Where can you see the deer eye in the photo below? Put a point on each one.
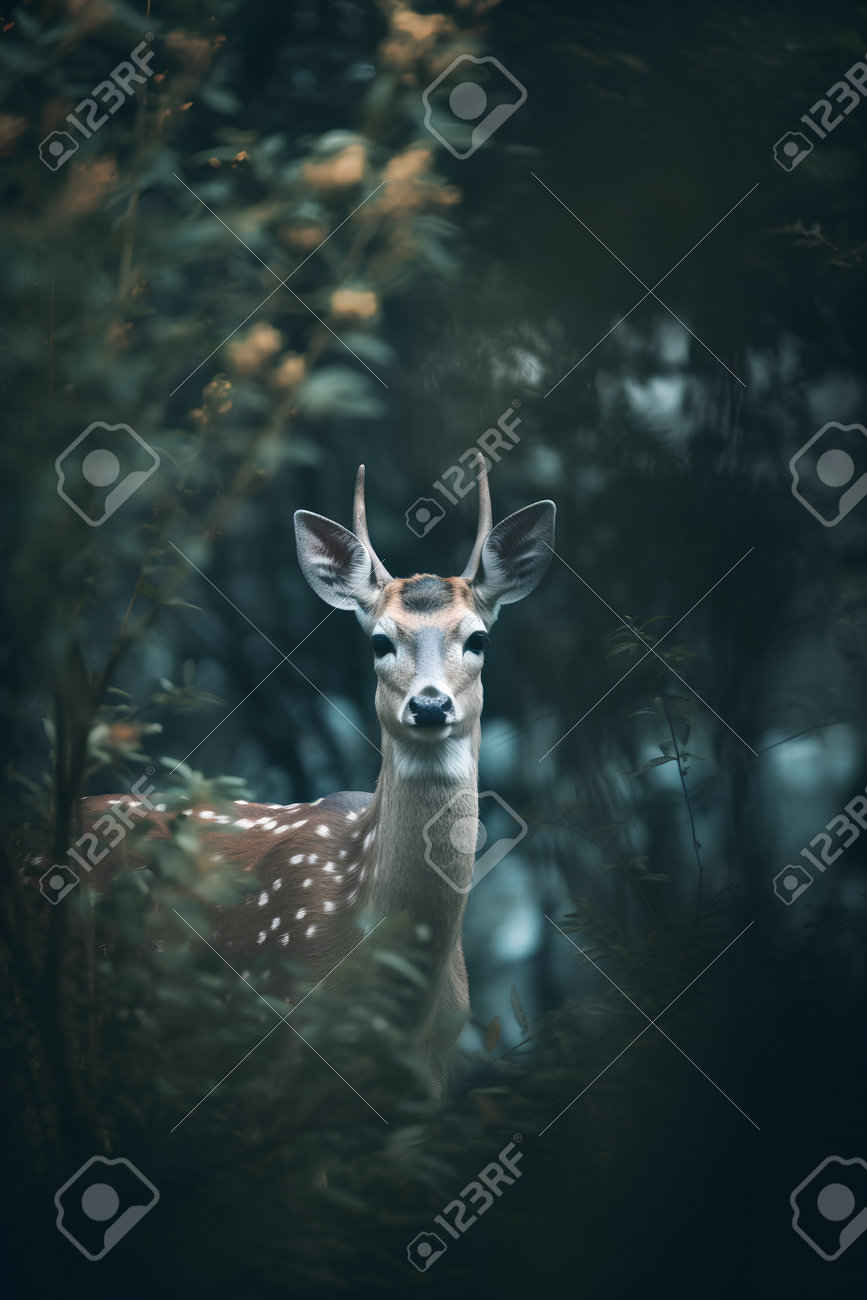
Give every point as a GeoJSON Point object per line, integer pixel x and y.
{"type": "Point", "coordinates": [477, 643]}
{"type": "Point", "coordinates": [382, 645]}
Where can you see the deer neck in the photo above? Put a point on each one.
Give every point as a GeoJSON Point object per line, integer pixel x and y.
{"type": "Point", "coordinates": [420, 834]}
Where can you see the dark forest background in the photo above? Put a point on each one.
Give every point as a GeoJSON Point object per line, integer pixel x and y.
{"type": "Point", "coordinates": [458, 289]}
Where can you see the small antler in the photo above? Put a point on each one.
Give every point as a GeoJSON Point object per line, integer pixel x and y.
{"type": "Point", "coordinates": [485, 521]}
{"type": "Point", "coordinates": [359, 527]}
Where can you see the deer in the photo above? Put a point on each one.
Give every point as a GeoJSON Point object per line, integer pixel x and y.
{"type": "Point", "coordinates": [320, 868]}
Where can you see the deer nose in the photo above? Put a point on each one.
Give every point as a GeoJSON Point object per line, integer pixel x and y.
{"type": "Point", "coordinates": [430, 710]}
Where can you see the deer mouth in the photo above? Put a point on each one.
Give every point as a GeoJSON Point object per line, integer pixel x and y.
{"type": "Point", "coordinates": [431, 728]}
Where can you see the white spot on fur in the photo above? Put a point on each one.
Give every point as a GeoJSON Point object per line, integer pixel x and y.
{"type": "Point", "coordinates": [323, 831]}
{"type": "Point", "coordinates": [312, 857]}
{"type": "Point", "coordinates": [342, 853]}
{"type": "Point", "coordinates": [311, 929]}
{"type": "Point", "coordinates": [329, 866]}
{"type": "Point", "coordinates": [328, 905]}
{"type": "Point", "coordinates": [368, 839]}
{"type": "Point", "coordinates": [295, 825]}
{"type": "Point", "coordinates": [301, 913]}
{"type": "Point", "coordinates": [353, 867]}
{"type": "Point", "coordinates": [160, 807]}
{"type": "Point", "coordinates": [241, 801]}
{"type": "Point", "coordinates": [295, 859]}
{"type": "Point", "coordinates": [263, 898]}
{"type": "Point", "coordinates": [269, 824]}
{"type": "Point", "coordinates": [243, 822]}
{"type": "Point", "coordinates": [280, 830]}
{"type": "Point", "coordinates": [284, 939]}
{"type": "Point", "coordinates": [277, 884]}
{"type": "Point", "coordinates": [352, 817]}
{"type": "Point", "coordinates": [307, 882]}
{"type": "Point", "coordinates": [338, 879]}
{"type": "Point", "coordinates": [207, 814]}
{"type": "Point", "coordinates": [222, 820]}
{"type": "Point", "coordinates": [261, 936]}
{"type": "Point", "coordinates": [275, 924]}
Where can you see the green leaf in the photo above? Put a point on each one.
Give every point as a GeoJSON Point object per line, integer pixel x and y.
{"type": "Point", "coordinates": [517, 1008]}
{"type": "Point", "coordinates": [651, 762]}
{"type": "Point", "coordinates": [492, 1034]}
{"type": "Point", "coordinates": [402, 966]}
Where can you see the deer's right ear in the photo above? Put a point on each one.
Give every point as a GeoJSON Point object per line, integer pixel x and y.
{"type": "Point", "coordinates": [335, 563]}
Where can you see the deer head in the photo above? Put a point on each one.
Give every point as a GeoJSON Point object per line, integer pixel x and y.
{"type": "Point", "coordinates": [428, 634]}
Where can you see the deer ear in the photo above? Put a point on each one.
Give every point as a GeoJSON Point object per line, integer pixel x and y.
{"type": "Point", "coordinates": [515, 556]}
{"type": "Point", "coordinates": [335, 563]}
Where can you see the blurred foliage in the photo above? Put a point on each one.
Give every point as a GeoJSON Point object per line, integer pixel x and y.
{"type": "Point", "coordinates": [268, 268]}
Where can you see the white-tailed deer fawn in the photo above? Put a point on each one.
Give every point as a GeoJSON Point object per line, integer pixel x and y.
{"type": "Point", "coordinates": [321, 866]}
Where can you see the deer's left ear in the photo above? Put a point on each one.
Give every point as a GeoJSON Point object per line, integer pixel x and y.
{"type": "Point", "coordinates": [515, 556]}
{"type": "Point", "coordinates": [335, 563]}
